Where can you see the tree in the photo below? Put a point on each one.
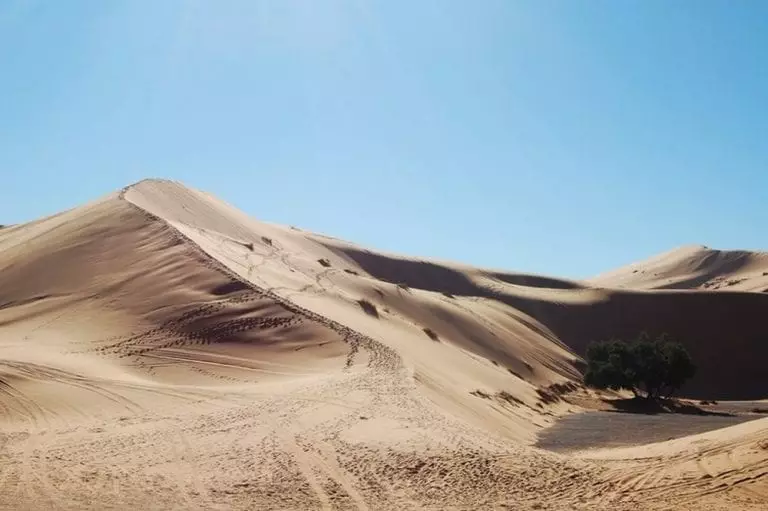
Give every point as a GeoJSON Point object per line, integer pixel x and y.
{"type": "Point", "coordinates": [659, 366]}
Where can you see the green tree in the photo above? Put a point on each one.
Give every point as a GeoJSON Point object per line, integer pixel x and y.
{"type": "Point", "coordinates": [658, 367]}
{"type": "Point", "coordinates": [679, 366]}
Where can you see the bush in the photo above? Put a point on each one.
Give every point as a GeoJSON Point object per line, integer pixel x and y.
{"type": "Point", "coordinates": [658, 366]}
{"type": "Point", "coordinates": [368, 308]}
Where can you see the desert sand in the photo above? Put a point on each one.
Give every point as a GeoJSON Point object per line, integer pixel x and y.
{"type": "Point", "coordinates": [159, 349]}
{"type": "Point", "coordinates": [694, 267]}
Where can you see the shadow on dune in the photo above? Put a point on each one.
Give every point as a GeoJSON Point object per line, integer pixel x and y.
{"type": "Point", "coordinates": [535, 281]}
{"type": "Point", "coordinates": [653, 407]}
{"type": "Point", "coordinates": [723, 331]}
{"type": "Point", "coordinates": [417, 274]}
{"type": "Point", "coordinates": [602, 429]}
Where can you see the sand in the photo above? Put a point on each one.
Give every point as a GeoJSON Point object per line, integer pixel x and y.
{"type": "Point", "coordinates": [160, 349]}
{"type": "Point", "coordinates": [694, 267]}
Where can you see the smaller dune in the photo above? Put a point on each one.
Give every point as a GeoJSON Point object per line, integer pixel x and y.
{"type": "Point", "coordinates": [693, 267]}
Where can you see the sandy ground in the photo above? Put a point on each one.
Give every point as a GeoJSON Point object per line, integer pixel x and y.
{"type": "Point", "coordinates": [160, 349]}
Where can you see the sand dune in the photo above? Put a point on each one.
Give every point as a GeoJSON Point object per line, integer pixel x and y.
{"type": "Point", "coordinates": [693, 267]}
{"type": "Point", "coordinates": [159, 348]}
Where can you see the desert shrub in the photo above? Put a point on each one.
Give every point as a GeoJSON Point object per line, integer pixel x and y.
{"type": "Point", "coordinates": [547, 397]}
{"type": "Point", "coordinates": [404, 287]}
{"type": "Point", "coordinates": [658, 367]}
{"type": "Point", "coordinates": [368, 308]}
{"type": "Point", "coordinates": [324, 263]}
{"type": "Point", "coordinates": [266, 241]}
{"type": "Point", "coordinates": [509, 398]}
{"type": "Point", "coordinates": [431, 334]}
{"type": "Point", "coordinates": [351, 272]}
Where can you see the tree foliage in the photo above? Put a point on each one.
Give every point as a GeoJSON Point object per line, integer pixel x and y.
{"type": "Point", "coordinates": [657, 366]}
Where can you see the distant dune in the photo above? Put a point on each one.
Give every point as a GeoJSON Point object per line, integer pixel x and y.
{"type": "Point", "coordinates": [693, 267]}
{"type": "Point", "coordinates": [161, 349]}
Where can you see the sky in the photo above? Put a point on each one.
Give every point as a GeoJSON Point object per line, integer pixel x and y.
{"type": "Point", "coordinates": [556, 137]}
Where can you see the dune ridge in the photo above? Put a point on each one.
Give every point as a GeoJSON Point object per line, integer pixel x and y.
{"type": "Point", "coordinates": [159, 348]}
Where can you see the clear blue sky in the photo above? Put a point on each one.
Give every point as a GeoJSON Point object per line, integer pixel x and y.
{"type": "Point", "coordinates": [563, 138]}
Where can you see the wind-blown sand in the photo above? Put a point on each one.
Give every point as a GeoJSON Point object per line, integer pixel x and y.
{"type": "Point", "coordinates": [160, 349]}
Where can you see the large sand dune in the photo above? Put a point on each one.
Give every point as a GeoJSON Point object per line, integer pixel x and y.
{"type": "Point", "coordinates": [159, 348]}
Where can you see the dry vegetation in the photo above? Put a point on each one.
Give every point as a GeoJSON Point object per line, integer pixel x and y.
{"type": "Point", "coordinates": [368, 307]}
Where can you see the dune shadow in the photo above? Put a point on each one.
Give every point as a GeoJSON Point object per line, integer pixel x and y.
{"type": "Point", "coordinates": [602, 429]}
{"type": "Point", "coordinates": [536, 281]}
{"type": "Point", "coordinates": [654, 407]}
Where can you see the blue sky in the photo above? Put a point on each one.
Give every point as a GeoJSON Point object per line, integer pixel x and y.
{"type": "Point", "coordinates": [563, 138]}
